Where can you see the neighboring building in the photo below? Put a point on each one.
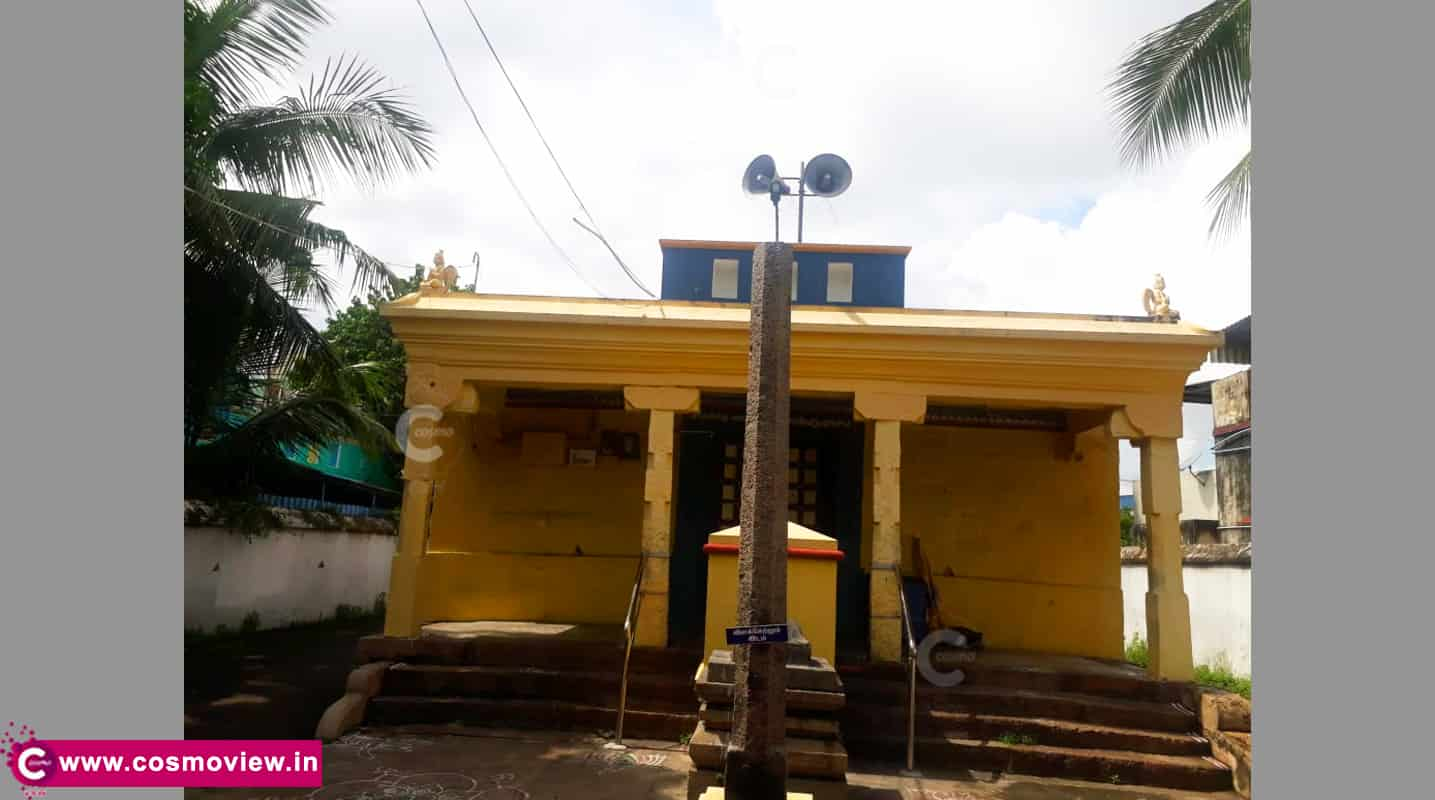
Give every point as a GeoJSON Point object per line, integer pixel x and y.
{"type": "Point", "coordinates": [341, 476]}
{"type": "Point", "coordinates": [1128, 491]}
{"type": "Point", "coordinates": [1216, 502]}
{"type": "Point", "coordinates": [1200, 513]}
{"type": "Point", "coordinates": [977, 450]}
{"type": "Point", "coordinates": [1230, 400]}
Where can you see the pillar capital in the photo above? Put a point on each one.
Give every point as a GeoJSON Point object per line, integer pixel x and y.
{"type": "Point", "coordinates": [1146, 418]}
{"type": "Point", "coordinates": [431, 385]}
{"type": "Point", "coordinates": [439, 405]}
{"type": "Point", "coordinates": [888, 406]}
{"type": "Point", "coordinates": [679, 399]}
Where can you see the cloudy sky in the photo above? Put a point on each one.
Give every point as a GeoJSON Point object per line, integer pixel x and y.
{"type": "Point", "coordinates": [978, 134]}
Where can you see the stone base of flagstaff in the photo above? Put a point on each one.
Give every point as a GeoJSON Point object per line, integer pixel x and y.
{"type": "Point", "coordinates": [816, 759]}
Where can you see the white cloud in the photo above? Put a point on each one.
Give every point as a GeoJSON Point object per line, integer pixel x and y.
{"type": "Point", "coordinates": [959, 119]}
{"type": "Point", "coordinates": [973, 129]}
{"type": "Point", "coordinates": [1141, 226]}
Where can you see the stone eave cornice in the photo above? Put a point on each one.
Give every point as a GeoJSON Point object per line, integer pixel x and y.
{"type": "Point", "coordinates": [941, 353]}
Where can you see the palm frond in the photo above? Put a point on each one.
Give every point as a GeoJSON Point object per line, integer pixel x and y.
{"type": "Point", "coordinates": [279, 336]}
{"type": "Point", "coordinates": [250, 249]}
{"type": "Point", "coordinates": [301, 281]}
{"type": "Point", "coordinates": [246, 330]}
{"type": "Point", "coordinates": [215, 316]}
{"type": "Point", "coordinates": [236, 311]}
{"type": "Point", "coordinates": [1185, 82]}
{"type": "Point", "coordinates": [345, 123]}
{"type": "Point", "coordinates": [233, 46]}
{"type": "Point", "coordinates": [1231, 199]}
{"type": "Point", "coordinates": [367, 384]}
{"type": "Point", "coordinates": [267, 228]}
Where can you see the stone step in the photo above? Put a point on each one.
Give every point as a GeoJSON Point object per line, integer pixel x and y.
{"type": "Point", "coordinates": [864, 694]}
{"type": "Point", "coordinates": [721, 694]}
{"type": "Point", "coordinates": [1050, 674]}
{"type": "Point", "coordinates": [526, 714]}
{"type": "Point", "coordinates": [1055, 732]}
{"type": "Point", "coordinates": [815, 674]}
{"type": "Point", "coordinates": [649, 692]}
{"type": "Point", "coordinates": [579, 654]}
{"type": "Point", "coordinates": [719, 718]}
{"type": "Point", "coordinates": [806, 758]}
{"type": "Point", "coordinates": [1195, 773]}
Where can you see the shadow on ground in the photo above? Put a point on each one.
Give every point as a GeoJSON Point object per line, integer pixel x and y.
{"type": "Point", "coordinates": [267, 684]}
{"type": "Point", "coordinates": [424, 763]}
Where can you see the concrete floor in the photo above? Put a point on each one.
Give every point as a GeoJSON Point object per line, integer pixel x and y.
{"type": "Point", "coordinates": [426, 763]}
{"type": "Point", "coordinates": [524, 630]}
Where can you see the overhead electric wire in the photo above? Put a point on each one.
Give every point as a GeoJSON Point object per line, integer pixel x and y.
{"type": "Point", "coordinates": [593, 230]}
{"type": "Point", "coordinates": [511, 182]}
{"type": "Point", "coordinates": [1215, 446]}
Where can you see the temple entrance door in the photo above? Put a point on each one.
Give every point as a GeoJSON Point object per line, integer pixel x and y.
{"type": "Point", "coordinates": [845, 477]}
{"type": "Point", "coordinates": [824, 493]}
{"type": "Point", "coordinates": [696, 516]}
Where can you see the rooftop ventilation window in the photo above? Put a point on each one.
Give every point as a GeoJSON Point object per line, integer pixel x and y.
{"type": "Point", "coordinates": [839, 282]}
{"type": "Point", "coordinates": [724, 279]}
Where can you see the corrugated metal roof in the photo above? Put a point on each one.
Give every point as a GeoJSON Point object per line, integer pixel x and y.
{"type": "Point", "coordinates": [1237, 347]}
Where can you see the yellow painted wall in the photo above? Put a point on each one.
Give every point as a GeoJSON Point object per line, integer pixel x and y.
{"type": "Point", "coordinates": [868, 442]}
{"type": "Point", "coordinates": [512, 540]}
{"type": "Point", "coordinates": [1023, 543]}
{"type": "Point", "coordinates": [811, 601]}
{"type": "Point", "coordinates": [468, 586]}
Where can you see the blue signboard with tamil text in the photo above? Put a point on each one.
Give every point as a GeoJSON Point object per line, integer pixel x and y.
{"type": "Point", "coordinates": [757, 634]}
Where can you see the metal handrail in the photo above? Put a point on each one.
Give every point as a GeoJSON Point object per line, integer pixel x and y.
{"type": "Point", "coordinates": [911, 672]}
{"type": "Point", "coordinates": [630, 631]}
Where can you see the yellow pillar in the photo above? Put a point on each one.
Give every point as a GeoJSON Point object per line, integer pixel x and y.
{"type": "Point", "coordinates": [657, 529]}
{"type": "Point", "coordinates": [887, 412]}
{"type": "Point", "coordinates": [886, 622]}
{"type": "Point", "coordinates": [663, 405]}
{"type": "Point", "coordinates": [422, 452]}
{"type": "Point", "coordinates": [400, 616]}
{"type": "Point", "coordinates": [1168, 612]}
{"type": "Point", "coordinates": [435, 398]}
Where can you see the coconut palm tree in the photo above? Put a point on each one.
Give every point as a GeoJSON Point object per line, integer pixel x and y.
{"type": "Point", "coordinates": [1189, 82]}
{"type": "Point", "coordinates": [251, 250]}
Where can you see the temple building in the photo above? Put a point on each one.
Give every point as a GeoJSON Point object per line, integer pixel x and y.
{"type": "Point", "coordinates": [567, 441]}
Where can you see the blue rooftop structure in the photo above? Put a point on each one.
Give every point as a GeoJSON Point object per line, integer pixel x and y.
{"type": "Point", "coordinates": [827, 274]}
